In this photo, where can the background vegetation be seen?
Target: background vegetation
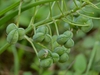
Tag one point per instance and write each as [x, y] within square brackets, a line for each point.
[84, 57]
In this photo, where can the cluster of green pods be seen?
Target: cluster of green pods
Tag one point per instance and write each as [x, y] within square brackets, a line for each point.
[42, 35]
[14, 33]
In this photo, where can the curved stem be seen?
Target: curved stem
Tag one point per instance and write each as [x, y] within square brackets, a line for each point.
[58, 17]
[4, 47]
[56, 26]
[28, 39]
[19, 12]
[88, 16]
[49, 29]
[59, 8]
[50, 8]
[72, 23]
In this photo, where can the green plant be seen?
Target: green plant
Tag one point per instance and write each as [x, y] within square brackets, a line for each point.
[51, 45]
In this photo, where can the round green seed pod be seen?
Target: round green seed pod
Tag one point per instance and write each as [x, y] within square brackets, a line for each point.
[59, 50]
[66, 26]
[43, 54]
[46, 62]
[87, 28]
[81, 19]
[12, 37]
[10, 27]
[69, 43]
[55, 44]
[55, 57]
[42, 29]
[38, 37]
[21, 32]
[47, 38]
[62, 39]
[69, 34]
[63, 58]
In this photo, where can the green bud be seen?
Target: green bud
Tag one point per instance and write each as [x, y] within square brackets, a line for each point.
[46, 62]
[21, 32]
[59, 50]
[69, 43]
[87, 28]
[38, 37]
[42, 29]
[10, 27]
[55, 57]
[63, 58]
[81, 19]
[12, 37]
[62, 39]
[43, 54]
[66, 26]
[69, 34]
[47, 38]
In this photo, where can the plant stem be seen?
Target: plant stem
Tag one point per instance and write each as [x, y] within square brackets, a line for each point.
[4, 47]
[13, 14]
[75, 3]
[28, 39]
[56, 26]
[58, 17]
[16, 61]
[19, 12]
[96, 45]
[2, 12]
[59, 8]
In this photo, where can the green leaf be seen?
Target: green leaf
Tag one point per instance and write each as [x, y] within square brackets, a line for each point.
[9, 8]
[80, 63]
[27, 73]
[88, 42]
[93, 73]
[13, 14]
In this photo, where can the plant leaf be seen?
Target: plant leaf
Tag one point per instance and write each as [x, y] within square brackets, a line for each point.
[9, 8]
[80, 63]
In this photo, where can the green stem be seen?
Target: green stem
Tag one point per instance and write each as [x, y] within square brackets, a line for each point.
[88, 16]
[9, 8]
[73, 23]
[16, 61]
[64, 2]
[28, 39]
[13, 14]
[96, 45]
[56, 26]
[49, 29]
[19, 12]
[58, 17]
[4, 47]
[59, 8]
[33, 19]
[50, 9]
[75, 3]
